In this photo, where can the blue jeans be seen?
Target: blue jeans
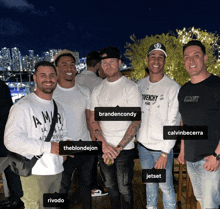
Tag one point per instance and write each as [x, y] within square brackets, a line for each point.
[206, 184]
[118, 179]
[148, 160]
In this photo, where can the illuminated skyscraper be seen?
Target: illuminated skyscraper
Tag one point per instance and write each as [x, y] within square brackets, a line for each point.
[6, 58]
[16, 64]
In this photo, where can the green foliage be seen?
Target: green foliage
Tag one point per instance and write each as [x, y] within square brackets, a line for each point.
[136, 52]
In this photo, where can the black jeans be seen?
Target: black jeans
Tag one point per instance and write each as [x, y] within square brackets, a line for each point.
[118, 179]
[97, 182]
[14, 184]
[84, 163]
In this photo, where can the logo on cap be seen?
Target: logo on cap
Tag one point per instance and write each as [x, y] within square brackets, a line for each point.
[157, 46]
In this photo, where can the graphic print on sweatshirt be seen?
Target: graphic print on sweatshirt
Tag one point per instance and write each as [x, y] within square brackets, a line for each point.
[44, 122]
[191, 99]
[149, 99]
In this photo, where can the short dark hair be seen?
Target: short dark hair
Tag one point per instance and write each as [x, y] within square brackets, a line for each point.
[44, 63]
[195, 43]
[92, 58]
[63, 53]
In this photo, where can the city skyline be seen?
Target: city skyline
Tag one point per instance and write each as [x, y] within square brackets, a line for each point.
[12, 59]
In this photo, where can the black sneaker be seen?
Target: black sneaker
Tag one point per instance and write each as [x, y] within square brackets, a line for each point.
[15, 204]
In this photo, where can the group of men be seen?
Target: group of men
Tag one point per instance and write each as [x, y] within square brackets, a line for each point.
[162, 102]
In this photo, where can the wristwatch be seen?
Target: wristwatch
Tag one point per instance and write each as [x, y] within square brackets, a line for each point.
[217, 156]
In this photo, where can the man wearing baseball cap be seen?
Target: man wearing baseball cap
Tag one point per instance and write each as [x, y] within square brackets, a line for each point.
[117, 137]
[160, 108]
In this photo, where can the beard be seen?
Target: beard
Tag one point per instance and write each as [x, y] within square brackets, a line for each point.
[47, 90]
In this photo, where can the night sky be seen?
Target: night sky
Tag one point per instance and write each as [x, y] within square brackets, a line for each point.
[86, 25]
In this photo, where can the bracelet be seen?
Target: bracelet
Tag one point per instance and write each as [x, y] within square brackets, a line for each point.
[120, 148]
[164, 155]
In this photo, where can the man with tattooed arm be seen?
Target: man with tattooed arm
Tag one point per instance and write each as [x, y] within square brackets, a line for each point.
[117, 137]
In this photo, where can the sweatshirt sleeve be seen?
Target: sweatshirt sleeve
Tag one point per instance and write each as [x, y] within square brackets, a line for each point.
[173, 116]
[16, 137]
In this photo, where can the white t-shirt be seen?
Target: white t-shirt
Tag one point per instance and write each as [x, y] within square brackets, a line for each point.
[88, 78]
[75, 101]
[122, 93]
[160, 108]
[28, 126]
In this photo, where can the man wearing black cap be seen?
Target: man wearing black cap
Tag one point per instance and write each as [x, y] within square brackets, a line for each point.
[160, 108]
[117, 137]
[88, 77]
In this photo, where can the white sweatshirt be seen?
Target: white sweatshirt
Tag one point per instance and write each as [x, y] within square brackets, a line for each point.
[28, 126]
[88, 78]
[122, 93]
[160, 108]
[75, 101]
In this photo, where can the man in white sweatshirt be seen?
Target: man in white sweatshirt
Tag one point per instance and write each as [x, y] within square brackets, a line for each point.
[160, 108]
[75, 99]
[89, 77]
[117, 136]
[25, 133]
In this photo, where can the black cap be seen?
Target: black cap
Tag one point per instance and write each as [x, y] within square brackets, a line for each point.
[111, 52]
[157, 46]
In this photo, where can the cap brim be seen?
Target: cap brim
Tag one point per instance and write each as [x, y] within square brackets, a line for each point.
[158, 50]
[106, 57]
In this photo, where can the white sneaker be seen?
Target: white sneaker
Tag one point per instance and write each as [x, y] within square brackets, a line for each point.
[98, 193]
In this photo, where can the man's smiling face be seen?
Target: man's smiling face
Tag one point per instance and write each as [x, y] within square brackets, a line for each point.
[156, 61]
[66, 69]
[194, 60]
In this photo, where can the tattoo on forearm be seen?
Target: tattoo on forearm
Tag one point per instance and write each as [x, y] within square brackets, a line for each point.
[99, 135]
[130, 133]
[98, 132]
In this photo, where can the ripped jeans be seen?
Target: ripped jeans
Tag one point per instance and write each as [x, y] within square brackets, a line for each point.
[148, 160]
[118, 179]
